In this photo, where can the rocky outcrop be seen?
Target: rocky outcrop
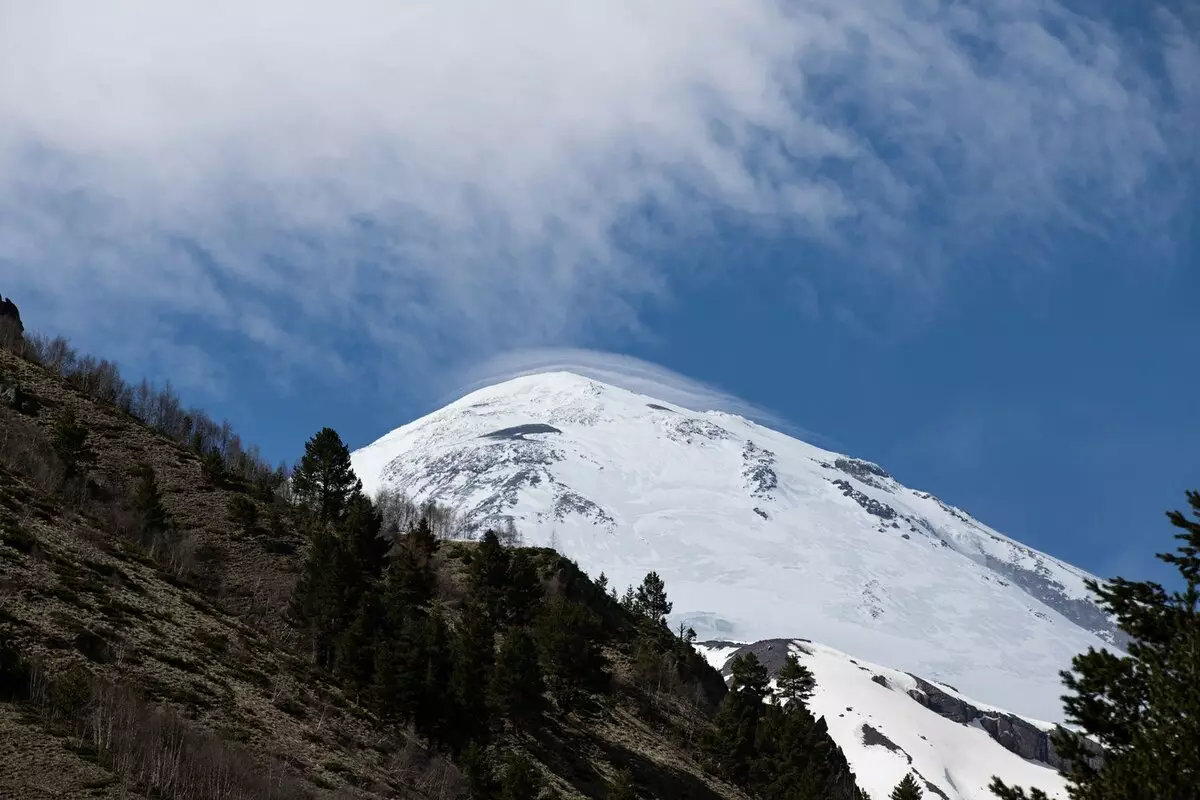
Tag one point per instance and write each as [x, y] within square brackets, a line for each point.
[1014, 733]
[869, 504]
[9, 312]
[758, 470]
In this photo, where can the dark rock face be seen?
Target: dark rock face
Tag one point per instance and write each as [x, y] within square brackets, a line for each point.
[873, 737]
[521, 431]
[869, 504]
[9, 311]
[1015, 734]
[1084, 613]
[864, 471]
[12, 397]
[657, 407]
[771, 653]
[758, 470]
[689, 430]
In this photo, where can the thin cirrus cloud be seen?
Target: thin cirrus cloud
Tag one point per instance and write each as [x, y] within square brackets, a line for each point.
[624, 371]
[461, 177]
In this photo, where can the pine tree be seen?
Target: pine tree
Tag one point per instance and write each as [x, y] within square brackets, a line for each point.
[731, 743]
[1144, 708]
[147, 502]
[212, 466]
[487, 577]
[69, 440]
[403, 656]
[750, 677]
[436, 713]
[623, 787]
[324, 480]
[795, 681]
[517, 685]
[568, 640]
[243, 513]
[520, 779]
[523, 589]
[907, 789]
[360, 530]
[410, 579]
[476, 766]
[471, 676]
[322, 601]
[355, 653]
[650, 599]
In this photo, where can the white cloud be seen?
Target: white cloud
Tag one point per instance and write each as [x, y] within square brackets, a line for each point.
[450, 176]
[627, 372]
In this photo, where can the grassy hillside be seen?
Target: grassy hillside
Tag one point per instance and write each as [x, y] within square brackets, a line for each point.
[146, 647]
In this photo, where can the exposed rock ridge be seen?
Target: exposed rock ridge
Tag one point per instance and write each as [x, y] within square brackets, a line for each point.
[1016, 734]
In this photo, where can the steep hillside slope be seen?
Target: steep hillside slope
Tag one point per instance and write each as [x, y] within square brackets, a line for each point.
[758, 534]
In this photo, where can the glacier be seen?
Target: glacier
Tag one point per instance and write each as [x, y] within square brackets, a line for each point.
[757, 534]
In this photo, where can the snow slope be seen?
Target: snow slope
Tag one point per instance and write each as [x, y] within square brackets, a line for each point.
[756, 534]
[886, 733]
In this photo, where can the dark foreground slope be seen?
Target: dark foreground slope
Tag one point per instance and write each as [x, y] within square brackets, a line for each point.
[146, 647]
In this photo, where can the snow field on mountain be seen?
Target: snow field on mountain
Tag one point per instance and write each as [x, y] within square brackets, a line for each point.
[626, 488]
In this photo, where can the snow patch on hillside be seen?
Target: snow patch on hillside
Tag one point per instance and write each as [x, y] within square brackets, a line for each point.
[886, 733]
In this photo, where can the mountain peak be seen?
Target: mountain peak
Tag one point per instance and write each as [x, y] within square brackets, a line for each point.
[757, 534]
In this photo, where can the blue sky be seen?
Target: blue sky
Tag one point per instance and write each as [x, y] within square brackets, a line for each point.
[954, 238]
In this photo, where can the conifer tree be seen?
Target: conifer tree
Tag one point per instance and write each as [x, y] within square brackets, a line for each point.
[907, 789]
[517, 686]
[522, 587]
[795, 758]
[650, 599]
[1143, 708]
[410, 579]
[355, 654]
[623, 787]
[476, 765]
[471, 676]
[360, 530]
[520, 779]
[568, 642]
[436, 712]
[212, 465]
[322, 601]
[324, 480]
[795, 681]
[69, 440]
[147, 502]
[403, 655]
[243, 513]
[487, 577]
[731, 743]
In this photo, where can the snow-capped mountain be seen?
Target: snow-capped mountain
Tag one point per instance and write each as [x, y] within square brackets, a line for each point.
[757, 535]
